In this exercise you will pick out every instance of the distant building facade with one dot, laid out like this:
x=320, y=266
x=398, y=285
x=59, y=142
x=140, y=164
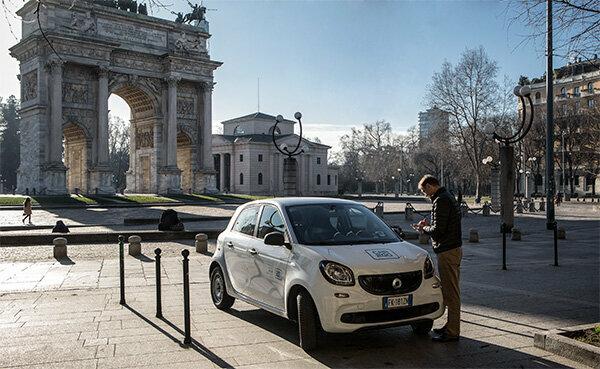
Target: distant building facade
x=431, y=119
x=247, y=162
x=576, y=91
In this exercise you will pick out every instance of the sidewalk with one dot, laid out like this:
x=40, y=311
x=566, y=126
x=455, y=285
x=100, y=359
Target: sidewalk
x=68, y=315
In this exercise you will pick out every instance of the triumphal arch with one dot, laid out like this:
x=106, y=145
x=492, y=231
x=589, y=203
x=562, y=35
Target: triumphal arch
x=86, y=51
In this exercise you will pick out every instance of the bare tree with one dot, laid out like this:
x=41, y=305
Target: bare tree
x=576, y=25
x=118, y=146
x=469, y=92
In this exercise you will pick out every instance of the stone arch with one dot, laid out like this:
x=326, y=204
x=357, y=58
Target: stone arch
x=77, y=148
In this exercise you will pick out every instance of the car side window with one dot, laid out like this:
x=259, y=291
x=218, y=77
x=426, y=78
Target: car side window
x=270, y=221
x=246, y=221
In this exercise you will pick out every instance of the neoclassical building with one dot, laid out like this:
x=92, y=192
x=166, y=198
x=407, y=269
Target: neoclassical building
x=247, y=162
x=161, y=68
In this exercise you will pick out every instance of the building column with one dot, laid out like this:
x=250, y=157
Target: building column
x=222, y=172
x=56, y=146
x=102, y=117
x=172, y=124
x=207, y=163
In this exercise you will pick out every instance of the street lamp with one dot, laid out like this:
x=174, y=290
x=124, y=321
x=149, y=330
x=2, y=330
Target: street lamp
x=400, y=179
x=527, y=173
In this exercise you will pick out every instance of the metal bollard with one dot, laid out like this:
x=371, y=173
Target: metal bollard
x=122, y=269
x=542, y=205
x=158, y=291
x=408, y=212
x=186, y=296
x=486, y=210
x=504, y=231
x=532, y=206
x=519, y=207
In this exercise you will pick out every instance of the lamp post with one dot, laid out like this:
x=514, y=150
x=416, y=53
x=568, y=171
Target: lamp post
x=395, y=186
x=527, y=173
x=290, y=167
x=563, y=161
x=400, y=179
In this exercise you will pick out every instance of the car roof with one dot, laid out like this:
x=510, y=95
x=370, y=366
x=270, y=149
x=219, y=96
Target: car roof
x=290, y=201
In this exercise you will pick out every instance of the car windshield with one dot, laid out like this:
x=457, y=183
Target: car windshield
x=338, y=224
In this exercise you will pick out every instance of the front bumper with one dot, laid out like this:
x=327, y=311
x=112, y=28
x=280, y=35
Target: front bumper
x=362, y=310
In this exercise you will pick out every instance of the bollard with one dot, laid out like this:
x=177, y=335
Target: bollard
x=519, y=207
x=542, y=205
x=122, y=269
x=60, y=247
x=201, y=243
x=562, y=233
x=473, y=235
x=186, y=296
x=516, y=234
x=464, y=210
x=135, y=246
x=486, y=210
x=158, y=291
x=423, y=238
x=531, y=206
x=408, y=212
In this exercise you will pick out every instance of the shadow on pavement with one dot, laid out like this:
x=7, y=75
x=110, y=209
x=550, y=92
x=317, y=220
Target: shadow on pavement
x=396, y=347
x=143, y=258
x=196, y=346
x=66, y=261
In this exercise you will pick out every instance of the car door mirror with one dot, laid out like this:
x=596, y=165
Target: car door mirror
x=275, y=239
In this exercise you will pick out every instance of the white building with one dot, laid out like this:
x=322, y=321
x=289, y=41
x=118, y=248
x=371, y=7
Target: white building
x=247, y=161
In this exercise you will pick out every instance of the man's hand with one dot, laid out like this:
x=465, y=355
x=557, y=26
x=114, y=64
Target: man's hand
x=423, y=223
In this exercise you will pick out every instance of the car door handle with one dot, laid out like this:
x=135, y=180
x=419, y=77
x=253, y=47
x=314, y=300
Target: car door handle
x=252, y=251
x=230, y=244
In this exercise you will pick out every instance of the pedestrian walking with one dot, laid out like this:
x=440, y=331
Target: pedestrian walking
x=27, y=209
x=446, y=235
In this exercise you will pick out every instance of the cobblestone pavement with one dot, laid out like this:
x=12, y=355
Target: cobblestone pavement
x=65, y=314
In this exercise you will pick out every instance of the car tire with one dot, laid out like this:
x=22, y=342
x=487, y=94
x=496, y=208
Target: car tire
x=422, y=328
x=307, y=321
x=218, y=290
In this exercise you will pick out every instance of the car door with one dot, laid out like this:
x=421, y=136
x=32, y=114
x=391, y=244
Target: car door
x=272, y=261
x=237, y=245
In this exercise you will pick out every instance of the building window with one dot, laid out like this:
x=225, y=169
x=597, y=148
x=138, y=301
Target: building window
x=318, y=160
x=538, y=96
x=318, y=179
x=241, y=178
x=260, y=178
x=576, y=91
x=590, y=88
x=576, y=181
x=563, y=92
x=591, y=103
x=241, y=157
x=328, y=180
x=259, y=157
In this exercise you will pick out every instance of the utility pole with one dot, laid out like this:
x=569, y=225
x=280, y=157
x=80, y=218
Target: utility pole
x=550, y=221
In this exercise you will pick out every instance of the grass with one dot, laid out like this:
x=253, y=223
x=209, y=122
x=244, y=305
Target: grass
x=148, y=199
x=195, y=198
x=77, y=200
x=590, y=336
x=471, y=199
x=10, y=200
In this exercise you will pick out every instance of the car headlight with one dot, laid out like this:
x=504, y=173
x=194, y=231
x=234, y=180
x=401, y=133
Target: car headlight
x=337, y=273
x=428, y=269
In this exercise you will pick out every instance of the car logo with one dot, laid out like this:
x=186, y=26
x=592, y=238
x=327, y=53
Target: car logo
x=396, y=283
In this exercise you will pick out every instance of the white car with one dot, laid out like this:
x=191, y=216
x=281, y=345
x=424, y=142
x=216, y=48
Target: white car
x=326, y=263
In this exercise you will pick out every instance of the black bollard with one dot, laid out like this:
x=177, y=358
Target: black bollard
x=122, y=270
x=158, y=294
x=555, y=243
x=503, y=228
x=186, y=296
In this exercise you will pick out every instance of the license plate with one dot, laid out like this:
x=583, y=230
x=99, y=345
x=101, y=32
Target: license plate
x=393, y=302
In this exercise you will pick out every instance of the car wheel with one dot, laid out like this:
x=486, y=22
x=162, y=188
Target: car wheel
x=422, y=328
x=307, y=321
x=218, y=291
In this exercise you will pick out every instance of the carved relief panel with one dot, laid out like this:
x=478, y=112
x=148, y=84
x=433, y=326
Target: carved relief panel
x=144, y=137
x=29, y=85
x=78, y=87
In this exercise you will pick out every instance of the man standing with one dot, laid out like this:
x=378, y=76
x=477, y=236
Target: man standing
x=445, y=232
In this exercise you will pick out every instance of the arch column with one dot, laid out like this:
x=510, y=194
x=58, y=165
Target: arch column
x=170, y=175
x=54, y=176
x=101, y=175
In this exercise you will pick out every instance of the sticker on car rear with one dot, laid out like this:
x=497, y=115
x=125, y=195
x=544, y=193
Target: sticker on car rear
x=382, y=254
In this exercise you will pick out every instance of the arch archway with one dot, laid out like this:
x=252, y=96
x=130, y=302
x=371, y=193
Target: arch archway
x=76, y=147
x=184, y=160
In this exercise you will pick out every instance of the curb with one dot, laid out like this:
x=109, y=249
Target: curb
x=140, y=221
x=557, y=342
x=106, y=237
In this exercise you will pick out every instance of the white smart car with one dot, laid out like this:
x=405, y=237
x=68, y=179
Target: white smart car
x=326, y=263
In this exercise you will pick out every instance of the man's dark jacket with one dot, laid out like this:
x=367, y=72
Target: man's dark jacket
x=445, y=229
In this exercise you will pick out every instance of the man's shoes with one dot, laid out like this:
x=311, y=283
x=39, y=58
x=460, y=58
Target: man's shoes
x=439, y=331
x=445, y=337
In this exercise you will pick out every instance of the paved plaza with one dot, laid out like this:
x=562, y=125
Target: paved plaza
x=66, y=313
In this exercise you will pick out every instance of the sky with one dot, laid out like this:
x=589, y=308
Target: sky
x=340, y=63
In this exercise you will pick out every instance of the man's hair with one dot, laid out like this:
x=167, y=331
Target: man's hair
x=428, y=179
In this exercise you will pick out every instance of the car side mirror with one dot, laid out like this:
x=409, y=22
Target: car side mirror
x=275, y=239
